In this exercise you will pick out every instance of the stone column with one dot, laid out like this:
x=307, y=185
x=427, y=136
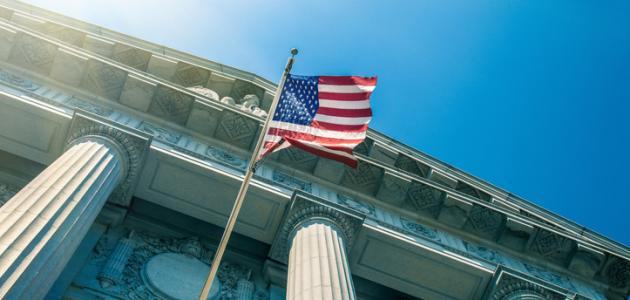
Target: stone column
x=41, y=226
x=313, y=241
x=318, y=266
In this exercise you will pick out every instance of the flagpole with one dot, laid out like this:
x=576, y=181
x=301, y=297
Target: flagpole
x=251, y=168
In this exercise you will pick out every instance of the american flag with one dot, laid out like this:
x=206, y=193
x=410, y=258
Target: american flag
x=324, y=115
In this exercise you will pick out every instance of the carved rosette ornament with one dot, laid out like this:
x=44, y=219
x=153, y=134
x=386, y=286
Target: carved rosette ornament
x=132, y=144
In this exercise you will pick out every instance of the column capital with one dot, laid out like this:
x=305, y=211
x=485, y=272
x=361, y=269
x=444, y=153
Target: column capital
x=306, y=208
x=132, y=145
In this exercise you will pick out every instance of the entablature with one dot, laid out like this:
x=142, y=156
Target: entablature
x=383, y=223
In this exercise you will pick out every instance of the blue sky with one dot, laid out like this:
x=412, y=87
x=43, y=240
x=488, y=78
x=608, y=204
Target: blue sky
x=532, y=96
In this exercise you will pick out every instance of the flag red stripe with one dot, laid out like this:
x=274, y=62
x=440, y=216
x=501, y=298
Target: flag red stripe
x=347, y=80
x=285, y=133
x=340, y=112
x=345, y=96
x=319, y=152
x=339, y=127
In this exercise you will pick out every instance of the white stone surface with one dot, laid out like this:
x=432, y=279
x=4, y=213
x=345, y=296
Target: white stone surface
x=68, y=67
x=161, y=66
x=318, y=266
x=98, y=45
x=42, y=225
x=137, y=93
x=7, y=36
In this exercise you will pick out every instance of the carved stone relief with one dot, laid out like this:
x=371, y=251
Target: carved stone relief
x=7, y=192
x=365, y=208
x=33, y=53
x=241, y=88
x=291, y=181
x=297, y=158
x=484, y=222
x=103, y=80
x=237, y=129
x=552, y=246
x=171, y=104
x=411, y=165
x=65, y=34
x=365, y=178
x=189, y=75
x=131, y=56
x=425, y=199
x=136, y=266
x=618, y=272
x=421, y=230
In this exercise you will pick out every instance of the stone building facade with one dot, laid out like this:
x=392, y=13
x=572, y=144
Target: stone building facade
x=120, y=159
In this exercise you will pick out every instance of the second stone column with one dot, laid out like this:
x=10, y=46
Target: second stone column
x=313, y=241
x=318, y=266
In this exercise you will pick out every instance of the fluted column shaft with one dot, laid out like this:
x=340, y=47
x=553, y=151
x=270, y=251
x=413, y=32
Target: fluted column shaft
x=43, y=224
x=318, y=267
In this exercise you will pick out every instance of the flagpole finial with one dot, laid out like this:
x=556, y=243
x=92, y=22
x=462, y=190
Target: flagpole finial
x=294, y=51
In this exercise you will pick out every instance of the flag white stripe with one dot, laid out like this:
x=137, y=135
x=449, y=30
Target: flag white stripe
x=349, y=146
x=275, y=139
x=346, y=89
x=318, y=131
x=336, y=152
x=342, y=120
x=344, y=104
